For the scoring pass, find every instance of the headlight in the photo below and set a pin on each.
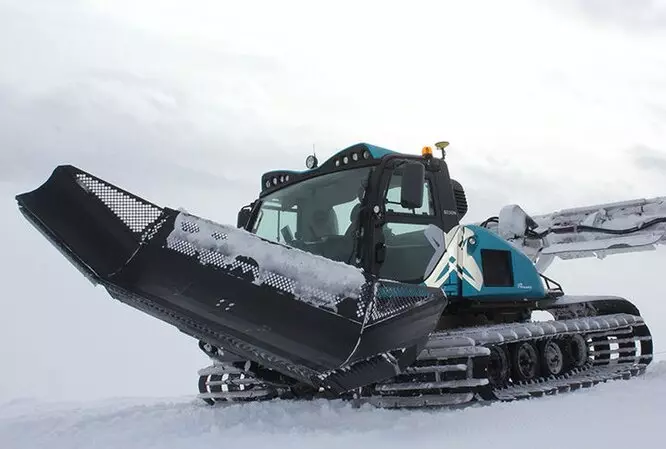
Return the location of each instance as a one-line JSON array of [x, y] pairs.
[[311, 162]]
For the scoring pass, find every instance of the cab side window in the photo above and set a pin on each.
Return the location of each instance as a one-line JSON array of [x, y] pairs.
[[392, 200], [272, 219]]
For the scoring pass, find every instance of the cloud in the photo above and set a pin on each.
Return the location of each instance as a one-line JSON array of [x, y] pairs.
[[657, 110], [644, 16], [650, 159], [131, 99]]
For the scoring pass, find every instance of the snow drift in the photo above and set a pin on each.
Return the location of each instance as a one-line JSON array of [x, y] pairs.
[[617, 414]]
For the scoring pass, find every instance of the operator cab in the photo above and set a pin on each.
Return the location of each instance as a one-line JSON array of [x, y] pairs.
[[366, 206]]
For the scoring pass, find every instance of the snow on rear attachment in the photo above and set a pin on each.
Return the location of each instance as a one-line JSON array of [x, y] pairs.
[[309, 277]]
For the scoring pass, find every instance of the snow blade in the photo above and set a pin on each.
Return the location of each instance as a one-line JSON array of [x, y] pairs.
[[321, 322]]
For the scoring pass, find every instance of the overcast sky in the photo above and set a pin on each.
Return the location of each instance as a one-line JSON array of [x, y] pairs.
[[546, 103], [527, 90]]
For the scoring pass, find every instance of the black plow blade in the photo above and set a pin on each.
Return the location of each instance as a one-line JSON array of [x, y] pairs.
[[322, 322]]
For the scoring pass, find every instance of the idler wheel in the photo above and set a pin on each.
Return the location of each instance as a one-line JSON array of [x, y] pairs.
[[576, 351], [203, 388]]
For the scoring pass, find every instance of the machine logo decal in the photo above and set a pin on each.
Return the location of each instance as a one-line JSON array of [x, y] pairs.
[[452, 256]]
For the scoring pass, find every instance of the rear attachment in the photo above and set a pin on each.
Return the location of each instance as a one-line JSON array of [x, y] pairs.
[[309, 318]]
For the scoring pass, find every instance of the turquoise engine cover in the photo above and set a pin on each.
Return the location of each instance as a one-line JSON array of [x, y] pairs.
[[461, 270]]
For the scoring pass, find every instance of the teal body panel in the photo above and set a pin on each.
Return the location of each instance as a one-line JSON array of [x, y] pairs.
[[527, 283], [451, 286]]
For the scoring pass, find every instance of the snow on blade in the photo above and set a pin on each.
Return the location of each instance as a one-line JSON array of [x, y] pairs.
[[313, 275]]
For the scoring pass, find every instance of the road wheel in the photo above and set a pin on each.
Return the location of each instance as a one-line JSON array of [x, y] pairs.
[[552, 358], [499, 368], [524, 361]]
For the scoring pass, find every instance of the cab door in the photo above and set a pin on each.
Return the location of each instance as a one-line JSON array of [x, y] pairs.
[[401, 249]]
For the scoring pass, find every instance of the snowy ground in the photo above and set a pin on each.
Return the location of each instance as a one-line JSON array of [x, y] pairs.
[[614, 415]]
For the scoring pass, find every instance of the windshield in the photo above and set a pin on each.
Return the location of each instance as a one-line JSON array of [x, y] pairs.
[[319, 215]]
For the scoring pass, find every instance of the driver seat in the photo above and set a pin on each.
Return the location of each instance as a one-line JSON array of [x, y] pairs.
[[355, 218], [324, 222]]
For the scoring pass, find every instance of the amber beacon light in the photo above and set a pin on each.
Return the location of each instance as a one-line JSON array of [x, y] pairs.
[[426, 152]]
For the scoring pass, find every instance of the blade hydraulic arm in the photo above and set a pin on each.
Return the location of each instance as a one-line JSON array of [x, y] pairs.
[[592, 231]]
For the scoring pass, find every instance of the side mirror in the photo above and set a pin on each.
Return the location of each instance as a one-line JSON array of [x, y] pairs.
[[411, 188], [244, 216]]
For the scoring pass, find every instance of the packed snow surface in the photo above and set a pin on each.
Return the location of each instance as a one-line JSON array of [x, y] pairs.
[[617, 414]]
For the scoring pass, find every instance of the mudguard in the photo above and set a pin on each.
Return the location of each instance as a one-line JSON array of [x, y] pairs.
[[318, 321]]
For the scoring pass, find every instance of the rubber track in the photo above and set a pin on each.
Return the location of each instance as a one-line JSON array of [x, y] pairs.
[[226, 382], [470, 345], [445, 351]]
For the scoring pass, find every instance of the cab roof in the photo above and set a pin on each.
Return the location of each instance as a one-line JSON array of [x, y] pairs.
[[360, 154]]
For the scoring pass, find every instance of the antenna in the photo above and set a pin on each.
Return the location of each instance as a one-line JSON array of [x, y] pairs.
[[442, 145]]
